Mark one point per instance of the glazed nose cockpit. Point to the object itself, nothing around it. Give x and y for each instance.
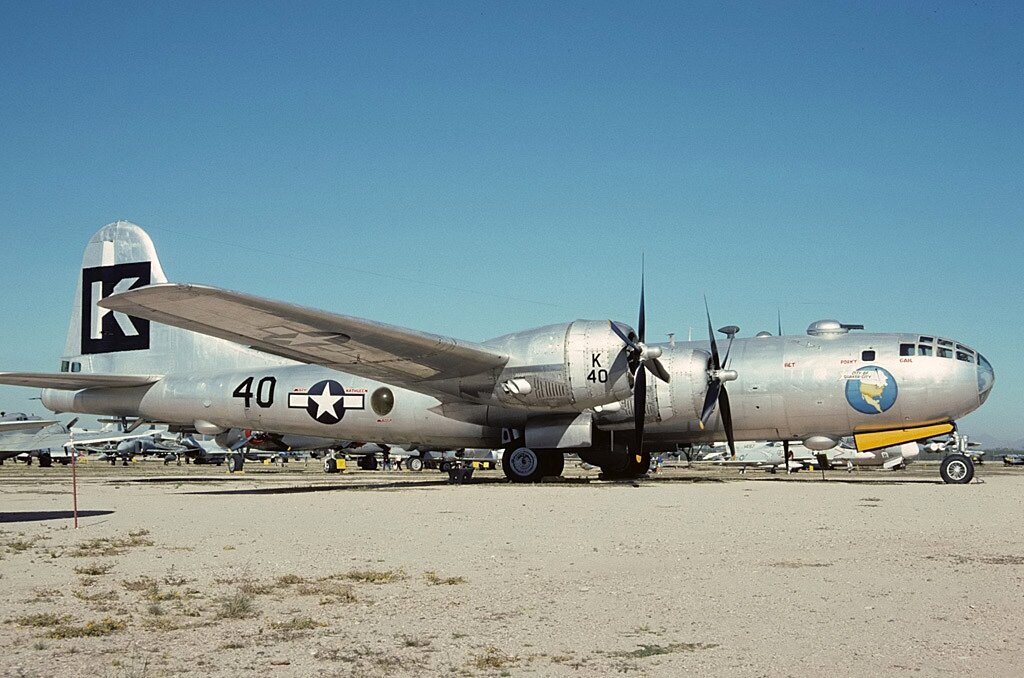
(946, 348)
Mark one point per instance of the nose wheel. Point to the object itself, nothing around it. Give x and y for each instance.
(956, 469)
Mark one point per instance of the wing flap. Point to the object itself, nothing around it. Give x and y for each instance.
(66, 381)
(363, 347)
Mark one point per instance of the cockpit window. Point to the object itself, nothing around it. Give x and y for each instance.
(984, 363)
(924, 350)
(944, 352)
(907, 349)
(945, 342)
(966, 357)
(926, 340)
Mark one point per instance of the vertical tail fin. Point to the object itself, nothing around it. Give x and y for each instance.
(120, 257)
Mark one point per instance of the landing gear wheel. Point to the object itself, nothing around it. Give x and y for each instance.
(636, 468)
(552, 462)
(45, 460)
(368, 462)
(414, 464)
(235, 462)
(330, 465)
(957, 469)
(522, 465)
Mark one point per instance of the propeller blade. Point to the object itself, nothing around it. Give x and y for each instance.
(622, 335)
(641, 326)
(639, 408)
(726, 411)
(657, 369)
(715, 362)
(728, 349)
(710, 398)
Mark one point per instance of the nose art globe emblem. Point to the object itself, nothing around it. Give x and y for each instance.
(871, 390)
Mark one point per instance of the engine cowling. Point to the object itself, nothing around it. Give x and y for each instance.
(577, 365)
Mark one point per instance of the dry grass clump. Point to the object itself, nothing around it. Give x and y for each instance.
(434, 579)
(101, 627)
(42, 619)
(493, 659)
(296, 624)
(95, 569)
(371, 576)
(239, 605)
(111, 546)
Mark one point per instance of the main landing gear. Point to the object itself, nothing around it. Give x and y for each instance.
(526, 465)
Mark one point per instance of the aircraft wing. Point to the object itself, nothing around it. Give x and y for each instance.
(67, 381)
(363, 347)
(6, 426)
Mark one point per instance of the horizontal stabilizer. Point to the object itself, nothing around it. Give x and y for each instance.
(363, 347)
(65, 381)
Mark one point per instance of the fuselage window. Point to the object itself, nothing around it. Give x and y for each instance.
(966, 357)
(926, 340)
(945, 352)
(907, 349)
(64, 366)
(867, 355)
(945, 342)
(924, 350)
(76, 367)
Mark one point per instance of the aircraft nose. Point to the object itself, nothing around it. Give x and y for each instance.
(986, 377)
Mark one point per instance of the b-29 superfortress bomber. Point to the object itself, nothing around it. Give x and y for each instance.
(207, 360)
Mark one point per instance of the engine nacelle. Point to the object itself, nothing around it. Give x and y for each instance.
(580, 364)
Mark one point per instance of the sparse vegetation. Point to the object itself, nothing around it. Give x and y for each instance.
(111, 546)
(371, 576)
(410, 641)
(652, 650)
(239, 605)
(42, 619)
(101, 627)
(434, 579)
(94, 569)
(296, 624)
(493, 659)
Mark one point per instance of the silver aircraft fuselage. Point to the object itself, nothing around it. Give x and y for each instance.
(786, 388)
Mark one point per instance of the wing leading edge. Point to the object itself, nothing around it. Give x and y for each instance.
(65, 381)
(362, 347)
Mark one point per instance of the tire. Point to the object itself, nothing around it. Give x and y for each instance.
(446, 466)
(368, 462)
(236, 462)
(522, 465)
(45, 460)
(414, 464)
(956, 469)
(330, 465)
(630, 469)
(552, 462)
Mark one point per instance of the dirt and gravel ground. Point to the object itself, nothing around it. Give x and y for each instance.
(289, 572)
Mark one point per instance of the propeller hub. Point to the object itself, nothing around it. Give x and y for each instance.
(723, 375)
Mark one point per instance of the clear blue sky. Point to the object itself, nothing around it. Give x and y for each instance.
(475, 168)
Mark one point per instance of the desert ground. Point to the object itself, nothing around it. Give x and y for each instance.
(290, 572)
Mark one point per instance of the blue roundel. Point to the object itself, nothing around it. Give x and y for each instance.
(871, 390)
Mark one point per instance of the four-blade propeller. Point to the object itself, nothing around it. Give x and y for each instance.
(640, 359)
(717, 376)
